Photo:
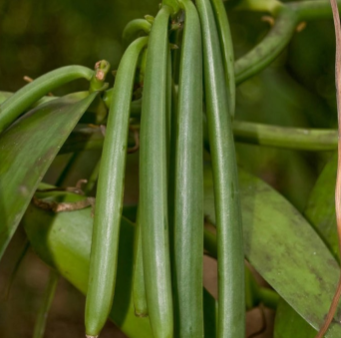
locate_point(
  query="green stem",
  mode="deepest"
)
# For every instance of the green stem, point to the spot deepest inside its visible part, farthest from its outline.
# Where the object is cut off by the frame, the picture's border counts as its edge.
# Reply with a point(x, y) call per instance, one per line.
point(288, 16)
point(312, 10)
point(39, 327)
point(87, 138)
point(134, 29)
point(272, 45)
point(285, 137)
point(97, 82)
point(268, 297)
point(93, 178)
point(270, 6)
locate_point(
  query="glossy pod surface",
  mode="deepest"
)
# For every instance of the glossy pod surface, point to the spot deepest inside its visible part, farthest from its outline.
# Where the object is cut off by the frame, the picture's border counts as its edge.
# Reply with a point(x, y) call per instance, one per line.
point(231, 301)
point(153, 181)
point(109, 198)
point(15, 105)
point(227, 51)
point(188, 201)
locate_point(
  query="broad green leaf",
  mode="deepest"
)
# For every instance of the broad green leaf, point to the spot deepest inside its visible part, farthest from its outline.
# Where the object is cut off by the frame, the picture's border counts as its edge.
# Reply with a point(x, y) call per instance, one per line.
point(27, 149)
point(289, 324)
point(320, 211)
point(63, 240)
point(4, 96)
point(284, 249)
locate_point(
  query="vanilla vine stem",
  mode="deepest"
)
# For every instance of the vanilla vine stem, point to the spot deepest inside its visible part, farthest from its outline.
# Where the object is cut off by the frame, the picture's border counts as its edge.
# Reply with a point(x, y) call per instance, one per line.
point(286, 17)
point(89, 138)
point(336, 298)
point(310, 139)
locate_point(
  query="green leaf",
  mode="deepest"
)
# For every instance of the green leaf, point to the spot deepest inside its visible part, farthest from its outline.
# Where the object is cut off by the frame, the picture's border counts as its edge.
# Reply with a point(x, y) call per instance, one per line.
point(27, 149)
point(320, 211)
point(284, 249)
point(289, 324)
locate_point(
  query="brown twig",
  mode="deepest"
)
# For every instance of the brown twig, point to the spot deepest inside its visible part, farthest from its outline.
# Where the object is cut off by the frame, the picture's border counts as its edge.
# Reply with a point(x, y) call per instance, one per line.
point(63, 206)
point(336, 298)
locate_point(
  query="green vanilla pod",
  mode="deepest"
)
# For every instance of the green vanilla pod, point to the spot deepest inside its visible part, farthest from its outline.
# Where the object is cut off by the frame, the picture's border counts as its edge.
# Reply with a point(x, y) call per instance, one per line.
point(63, 241)
point(153, 180)
point(135, 28)
point(73, 96)
point(103, 262)
point(231, 290)
point(227, 50)
point(25, 97)
point(139, 288)
point(189, 185)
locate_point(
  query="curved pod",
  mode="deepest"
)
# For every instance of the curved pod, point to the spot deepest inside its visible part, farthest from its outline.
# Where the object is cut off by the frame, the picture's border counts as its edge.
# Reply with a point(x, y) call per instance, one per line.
point(103, 262)
point(15, 105)
point(134, 28)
